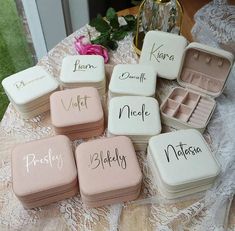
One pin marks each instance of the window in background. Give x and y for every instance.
(103, 5)
(15, 51)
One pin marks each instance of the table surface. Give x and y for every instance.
(70, 214)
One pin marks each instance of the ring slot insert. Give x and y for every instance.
(202, 77)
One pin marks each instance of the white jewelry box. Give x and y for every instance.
(203, 73)
(133, 79)
(181, 163)
(137, 117)
(29, 91)
(83, 71)
(164, 52)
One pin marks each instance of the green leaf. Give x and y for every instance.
(114, 23)
(111, 14)
(131, 26)
(129, 18)
(100, 25)
(104, 40)
(119, 34)
(112, 44)
(110, 30)
(112, 17)
(101, 39)
(131, 22)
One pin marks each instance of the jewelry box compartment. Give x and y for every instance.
(205, 69)
(186, 109)
(203, 74)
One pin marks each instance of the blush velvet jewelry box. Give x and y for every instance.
(181, 163)
(44, 171)
(83, 71)
(29, 91)
(108, 171)
(201, 70)
(77, 113)
(137, 117)
(133, 79)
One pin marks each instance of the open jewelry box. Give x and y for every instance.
(203, 74)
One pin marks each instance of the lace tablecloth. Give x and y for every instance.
(204, 211)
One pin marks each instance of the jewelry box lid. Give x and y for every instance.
(82, 69)
(205, 69)
(75, 107)
(29, 85)
(42, 167)
(133, 79)
(183, 158)
(134, 116)
(107, 166)
(164, 52)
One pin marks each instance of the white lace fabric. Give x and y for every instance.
(203, 211)
(215, 25)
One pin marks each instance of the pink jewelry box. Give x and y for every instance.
(44, 171)
(77, 113)
(108, 171)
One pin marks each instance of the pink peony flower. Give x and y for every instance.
(84, 47)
